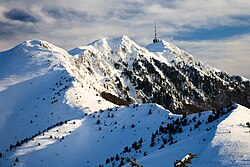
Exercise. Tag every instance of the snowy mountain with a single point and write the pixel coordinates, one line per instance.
(162, 74)
(33, 85)
(84, 107)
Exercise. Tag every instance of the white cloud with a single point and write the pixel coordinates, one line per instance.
(135, 18)
(231, 55)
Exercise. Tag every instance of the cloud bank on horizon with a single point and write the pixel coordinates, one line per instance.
(216, 31)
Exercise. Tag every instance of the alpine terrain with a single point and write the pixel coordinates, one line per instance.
(115, 103)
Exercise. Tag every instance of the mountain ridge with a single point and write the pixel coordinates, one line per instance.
(64, 107)
(125, 67)
(126, 54)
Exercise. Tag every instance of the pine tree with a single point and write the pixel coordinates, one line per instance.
(121, 162)
(107, 161)
(140, 141)
(210, 119)
(18, 143)
(132, 126)
(11, 147)
(152, 140)
(149, 112)
(117, 157)
(248, 124)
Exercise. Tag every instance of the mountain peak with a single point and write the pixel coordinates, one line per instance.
(31, 46)
(125, 38)
(161, 46)
(112, 41)
(107, 45)
(39, 44)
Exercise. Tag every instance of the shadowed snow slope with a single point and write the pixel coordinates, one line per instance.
(226, 144)
(231, 145)
(92, 140)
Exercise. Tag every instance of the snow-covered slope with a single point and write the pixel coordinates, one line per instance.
(224, 142)
(110, 137)
(51, 102)
(33, 81)
(230, 146)
(91, 142)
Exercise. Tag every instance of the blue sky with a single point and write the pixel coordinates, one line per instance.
(216, 32)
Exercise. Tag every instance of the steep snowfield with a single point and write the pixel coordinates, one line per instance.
(33, 81)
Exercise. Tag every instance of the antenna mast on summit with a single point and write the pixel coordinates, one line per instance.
(155, 39)
(155, 31)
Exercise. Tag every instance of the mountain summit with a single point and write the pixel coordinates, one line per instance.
(160, 73)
